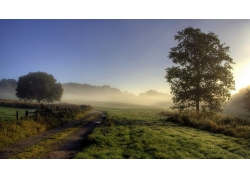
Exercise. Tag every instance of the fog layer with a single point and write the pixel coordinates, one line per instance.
(235, 105)
(80, 93)
(85, 94)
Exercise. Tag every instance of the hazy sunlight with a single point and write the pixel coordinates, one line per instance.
(242, 78)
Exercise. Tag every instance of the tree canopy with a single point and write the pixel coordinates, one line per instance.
(39, 86)
(202, 77)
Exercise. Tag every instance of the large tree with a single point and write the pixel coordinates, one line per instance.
(202, 77)
(39, 86)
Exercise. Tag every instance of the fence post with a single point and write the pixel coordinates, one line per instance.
(27, 114)
(16, 115)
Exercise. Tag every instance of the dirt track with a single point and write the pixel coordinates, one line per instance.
(67, 147)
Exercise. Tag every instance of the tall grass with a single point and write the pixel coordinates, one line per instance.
(43, 147)
(12, 131)
(217, 123)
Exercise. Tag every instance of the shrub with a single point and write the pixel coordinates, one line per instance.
(210, 126)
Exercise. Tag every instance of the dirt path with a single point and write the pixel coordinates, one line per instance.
(67, 147)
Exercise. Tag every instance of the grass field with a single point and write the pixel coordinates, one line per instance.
(9, 113)
(143, 133)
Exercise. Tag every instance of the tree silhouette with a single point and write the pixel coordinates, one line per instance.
(39, 86)
(202, 77)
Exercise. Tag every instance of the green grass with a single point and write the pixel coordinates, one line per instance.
(234, 126)
(144, 133)
(12, 131)
(9, 113)
(40, 149)
(43, 147)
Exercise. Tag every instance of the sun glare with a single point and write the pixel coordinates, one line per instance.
(242, 78)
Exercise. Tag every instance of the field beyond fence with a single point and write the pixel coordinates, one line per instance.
(47, 112)
(25, 110)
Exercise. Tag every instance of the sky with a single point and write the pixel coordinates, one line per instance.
(128, 54)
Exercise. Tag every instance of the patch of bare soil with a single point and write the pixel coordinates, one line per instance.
(66, 148)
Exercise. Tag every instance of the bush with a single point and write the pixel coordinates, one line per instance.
(210, 126)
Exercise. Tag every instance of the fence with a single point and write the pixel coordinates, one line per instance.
(19, 104)
(40, 108)
(34, 114)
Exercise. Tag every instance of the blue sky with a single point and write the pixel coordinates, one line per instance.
(127, 54)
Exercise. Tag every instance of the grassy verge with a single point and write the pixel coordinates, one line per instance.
(47, 145)
(40, 149)
(13, 131)
(146, 134)
(216, 123)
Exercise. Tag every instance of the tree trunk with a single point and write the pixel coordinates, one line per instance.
(197, 105)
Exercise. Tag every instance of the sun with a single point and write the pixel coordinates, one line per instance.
(242, 77)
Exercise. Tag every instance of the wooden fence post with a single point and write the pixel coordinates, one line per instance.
(27, 114)
(16, 115)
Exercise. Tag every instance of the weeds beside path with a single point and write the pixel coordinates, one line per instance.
(62, 142)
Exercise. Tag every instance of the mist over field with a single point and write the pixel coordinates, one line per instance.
(235, 105)
(8, 89)
(82, 93)
(89, 94)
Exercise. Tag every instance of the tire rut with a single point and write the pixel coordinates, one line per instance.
(66, 148)
(73, 143)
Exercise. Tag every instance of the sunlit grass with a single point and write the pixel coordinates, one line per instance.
(12, 131)
(217, 123)
(40, 149)
(146, 134)
(43, 147)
